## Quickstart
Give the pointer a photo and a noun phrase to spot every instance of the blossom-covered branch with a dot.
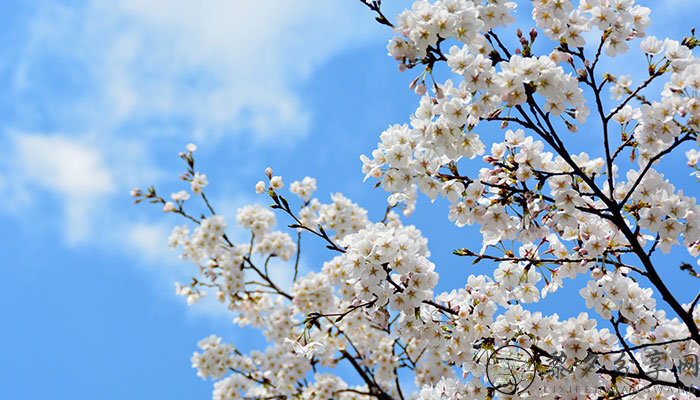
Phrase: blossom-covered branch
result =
(549, 211)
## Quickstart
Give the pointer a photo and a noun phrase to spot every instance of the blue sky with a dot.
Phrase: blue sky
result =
(99, 97)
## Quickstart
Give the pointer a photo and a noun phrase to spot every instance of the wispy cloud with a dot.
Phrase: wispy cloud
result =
(72, 172)
(216, 67)
(149, 240)
(79, 182)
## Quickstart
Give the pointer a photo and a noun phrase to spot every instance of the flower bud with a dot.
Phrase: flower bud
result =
(421, 89)
(412, 85)
(438, 91)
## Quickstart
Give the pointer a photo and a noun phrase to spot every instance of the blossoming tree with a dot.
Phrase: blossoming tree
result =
(546, 213)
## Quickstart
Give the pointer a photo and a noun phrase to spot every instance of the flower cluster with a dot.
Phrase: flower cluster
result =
(256, 218)
(304, 189)
(619, 20)
(215, 361)
(427, 23)
(342, 216)
(205, 241)
(312, 294)
(379, 253)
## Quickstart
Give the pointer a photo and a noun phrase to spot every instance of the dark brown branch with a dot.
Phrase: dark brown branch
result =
(296, 261)
(652, 160)
(374, 389)
(633, 95)
(375, 5)
(641, 346)
(625, 346)
(267, 279)
(694, 303)
(535, 261)
(282, 204)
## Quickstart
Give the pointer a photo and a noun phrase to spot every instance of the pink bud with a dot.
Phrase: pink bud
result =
(597, 273)
(413, 84)
(438, 91)
(421, 89)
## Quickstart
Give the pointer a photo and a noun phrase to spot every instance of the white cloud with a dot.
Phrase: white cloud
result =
(80, 182)
(149, 239)
(73, 172)
(63, 165)
(210, 67)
